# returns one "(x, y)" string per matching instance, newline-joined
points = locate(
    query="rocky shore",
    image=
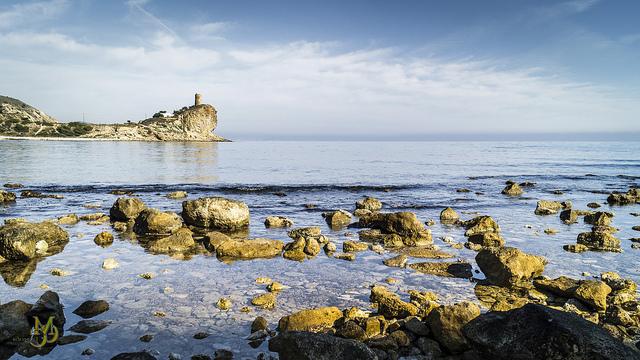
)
(520, 312)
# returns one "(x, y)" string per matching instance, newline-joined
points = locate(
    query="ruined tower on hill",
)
(198, 99)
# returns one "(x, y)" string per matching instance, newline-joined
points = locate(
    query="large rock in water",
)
(181, 240)
(311, 346)
(14, 323)
(538, 332)
(508, 266)
(18, 239)
(216, 213)
(310, 319)
(125, 209)
(480, 225)
(369, 203)
(249, 248)
(390, 305)
(7, 196)
(156, 222)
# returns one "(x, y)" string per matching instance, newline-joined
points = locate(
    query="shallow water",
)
(414, 176)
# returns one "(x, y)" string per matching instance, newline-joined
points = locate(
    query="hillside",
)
(194, 123)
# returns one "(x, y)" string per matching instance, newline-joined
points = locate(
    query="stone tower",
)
(198, 99)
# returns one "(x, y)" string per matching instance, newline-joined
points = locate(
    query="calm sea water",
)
(414, 176)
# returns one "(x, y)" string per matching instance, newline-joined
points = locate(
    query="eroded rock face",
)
(18, 239)
(310, 346)
(446, 323)
(216, 213)
(125, 209)
(249, 248)
(539, 332)
(508, 266)
(156, 222)
(310, 319)
(337, 219)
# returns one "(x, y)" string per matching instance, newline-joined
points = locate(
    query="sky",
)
(334, 69)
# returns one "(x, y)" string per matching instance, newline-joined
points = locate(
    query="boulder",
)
(599, 241)
(487, 239)
(177, 195)
(569, 216)
(538, 332)
(249, 248)
(213, 239)
(396, 261)
(593, 293)
(599, 218)
(512, 189)
(311, 346)
(369, 203)
(446, 323)
(181, 240)
(91, 308)
(630, 197)
(549, 207)
(18, 239)
(277, 222)
(310, 320)
(156, 222)
(216, 213)
(264, 301)
(446, 269)
(390, 305)
(481, 225)
(14, 323)
(354, 246)
(70, 219)
(104, 238)
(48, 306)
(125, 209)
(508, 266)
(7, 196)
(562, 286)
(337, 219)
(449, 216)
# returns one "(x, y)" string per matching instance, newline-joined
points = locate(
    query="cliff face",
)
(195, 123)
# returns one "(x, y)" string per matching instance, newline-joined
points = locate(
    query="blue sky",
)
(321, 68)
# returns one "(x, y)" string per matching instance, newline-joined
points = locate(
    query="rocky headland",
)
(193, 123)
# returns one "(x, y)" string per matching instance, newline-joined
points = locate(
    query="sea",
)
(280, 178)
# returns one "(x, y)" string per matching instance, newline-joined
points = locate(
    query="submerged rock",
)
(91, 308)
(508, 266)
(446, 269)
(512, 189)
(538, 332)
(249, 248)
(125, 209)
(18, 239)
(425, 252)
(89, 326)
(142, 355)
(7, 196)
(277, 222)
(632, 196)
(354, 246)
(216, 213)
(156, 222)
(310, 320)
(446, 323)
(369, 203)
(310, 346)
(177, 195)
(39, 195)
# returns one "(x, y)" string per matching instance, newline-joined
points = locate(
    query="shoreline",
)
(37, 138)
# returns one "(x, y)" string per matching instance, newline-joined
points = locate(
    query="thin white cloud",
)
(303, 87)
(30, 12)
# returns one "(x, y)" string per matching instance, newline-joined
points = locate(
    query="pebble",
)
(58, 272)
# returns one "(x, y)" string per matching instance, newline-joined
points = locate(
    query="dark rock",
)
(71, 339)
(446, 323)
(142, 355)
(39, 195)
(258, 324)
(539, 332)
(311, 346)
(89, 326)
(13, 321)
(47, 306)
(7, 196)
(446, 269)
(91, 308)
(512, 189)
